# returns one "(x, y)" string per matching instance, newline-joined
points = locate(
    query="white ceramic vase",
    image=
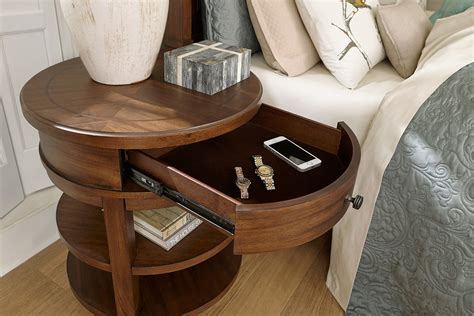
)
(118, 41)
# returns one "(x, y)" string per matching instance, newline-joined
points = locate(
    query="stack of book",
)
(166, 226)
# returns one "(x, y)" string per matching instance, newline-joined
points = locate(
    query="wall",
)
(28, 229)
(11, 190)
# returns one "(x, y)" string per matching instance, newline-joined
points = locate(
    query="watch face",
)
(243, 182)
(265, 170)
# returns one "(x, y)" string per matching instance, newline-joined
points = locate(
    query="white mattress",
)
(317, 95)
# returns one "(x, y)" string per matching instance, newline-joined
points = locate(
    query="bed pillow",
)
(228, 22)
(285, 44)
(376, 3)
(403, 28)
(451, 7)
(349, 47)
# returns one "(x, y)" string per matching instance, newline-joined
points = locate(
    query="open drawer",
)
(303, 206)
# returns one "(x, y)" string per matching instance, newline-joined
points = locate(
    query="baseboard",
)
(31, 228)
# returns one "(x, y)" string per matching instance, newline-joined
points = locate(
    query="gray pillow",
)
(229, 22)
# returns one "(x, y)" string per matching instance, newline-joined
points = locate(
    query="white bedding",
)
(317, 95)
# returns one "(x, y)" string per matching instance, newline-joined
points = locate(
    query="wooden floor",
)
(290, 282)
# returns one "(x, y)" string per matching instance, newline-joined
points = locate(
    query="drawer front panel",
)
(261, 229)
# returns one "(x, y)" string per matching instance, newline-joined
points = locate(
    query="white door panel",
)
(26, 55)
(11, 191)
(13, 6)
(29, 43)
(67, 46)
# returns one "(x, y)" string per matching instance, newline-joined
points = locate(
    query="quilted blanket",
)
(418, 257)
(396, 127)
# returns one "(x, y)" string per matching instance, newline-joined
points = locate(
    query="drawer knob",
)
(356, 201)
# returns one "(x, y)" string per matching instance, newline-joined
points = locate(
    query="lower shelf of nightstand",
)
(82, 228)
(181, 292)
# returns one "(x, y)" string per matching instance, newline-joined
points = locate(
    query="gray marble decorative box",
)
(207, 66)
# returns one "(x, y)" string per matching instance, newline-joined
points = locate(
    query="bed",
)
(410, 248)
(317, 95)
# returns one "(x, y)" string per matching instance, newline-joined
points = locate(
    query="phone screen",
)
(292, 152)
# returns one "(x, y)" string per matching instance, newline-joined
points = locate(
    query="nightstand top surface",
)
(64, 102)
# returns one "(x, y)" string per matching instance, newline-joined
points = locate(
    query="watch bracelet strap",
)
(269, 183)
(239, 172)
(257, 159)
(268, 180)
(244, 193)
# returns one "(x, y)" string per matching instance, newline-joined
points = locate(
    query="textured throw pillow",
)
(403, 28)
(228, 22)
(285, 44)
(451, 7)
(345, 35)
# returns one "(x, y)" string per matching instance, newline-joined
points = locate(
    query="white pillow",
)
(349, 55)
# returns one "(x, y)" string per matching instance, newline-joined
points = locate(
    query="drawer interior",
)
(212, 161)
(304, 205)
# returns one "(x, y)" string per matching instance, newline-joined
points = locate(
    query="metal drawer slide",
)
(193, 207)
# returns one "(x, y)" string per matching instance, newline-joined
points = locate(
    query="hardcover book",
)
(173, 239)
(164, 222)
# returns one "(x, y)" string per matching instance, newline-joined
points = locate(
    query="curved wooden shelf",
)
(82, 227)
(187, 291)
(64, 102)
(136, 198)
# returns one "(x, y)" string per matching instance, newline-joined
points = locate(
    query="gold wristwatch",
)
(242, 183)
(265, 172)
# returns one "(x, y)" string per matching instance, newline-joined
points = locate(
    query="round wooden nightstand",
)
(190, 142)
(84, 128)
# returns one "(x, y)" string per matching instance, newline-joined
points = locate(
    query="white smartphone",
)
(292, 154)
